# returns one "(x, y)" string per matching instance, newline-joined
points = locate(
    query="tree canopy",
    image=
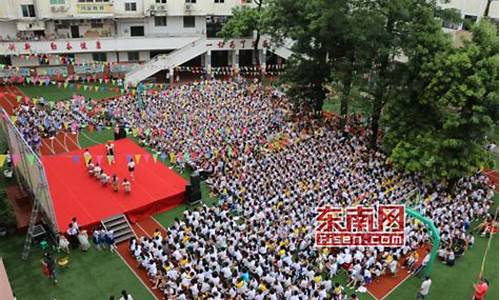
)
(440, 126)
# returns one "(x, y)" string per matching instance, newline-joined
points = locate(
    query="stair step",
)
(110, 219)
(125, 233)
(124, 238)
(115, 223)
(120, 227)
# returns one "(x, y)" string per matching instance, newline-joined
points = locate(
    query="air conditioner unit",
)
(54, 9)
(152, 7)
(161, 8)
(188, 7)
(63, 8)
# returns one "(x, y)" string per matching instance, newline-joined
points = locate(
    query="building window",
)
(160, 21)
(96, 23)
(161, 1)
(191, 1)
(219, 1)
(130, 6)
(99, 56)
(133, 56)
(57, 2)
(469, 21)
(189, 22)
(28, 10)
(136, 30)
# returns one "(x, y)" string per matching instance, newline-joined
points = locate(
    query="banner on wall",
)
(52, 71)
(94, 8)
(14, 72)
(123, 68)
(89, 69)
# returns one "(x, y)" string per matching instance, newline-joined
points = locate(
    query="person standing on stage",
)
(110, 150)
(126, 186)
(131, 168)
(115, 182)
(87, 157)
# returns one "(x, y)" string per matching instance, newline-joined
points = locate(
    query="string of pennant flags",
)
(78, 158)
(22, 75)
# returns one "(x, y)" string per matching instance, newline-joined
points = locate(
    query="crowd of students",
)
(271, 169)
(44, 121)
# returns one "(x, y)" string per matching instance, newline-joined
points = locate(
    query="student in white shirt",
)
(126, 296)
(424, 288)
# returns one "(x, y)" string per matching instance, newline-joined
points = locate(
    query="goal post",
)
(429, 224)
(434, 236)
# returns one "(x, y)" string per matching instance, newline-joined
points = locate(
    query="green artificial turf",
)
(55, 93)
(92, 275)
(87, 139)
(456, 282)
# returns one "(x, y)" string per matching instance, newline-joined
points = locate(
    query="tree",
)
(392, 37)
(328, 46)
(440, 123)
(244, 22)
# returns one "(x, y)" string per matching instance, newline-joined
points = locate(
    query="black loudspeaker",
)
(192, 196)
(195, 181)
(121, 134)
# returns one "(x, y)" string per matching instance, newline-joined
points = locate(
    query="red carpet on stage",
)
(75, 194)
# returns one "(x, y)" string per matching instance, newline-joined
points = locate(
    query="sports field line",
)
(394, 288)
(369, 293)
(56, 138)
(159, 224)
(90, 139)
(46, 144)
(142, 229)
(136, 275)
(69, 137)
(74, 139)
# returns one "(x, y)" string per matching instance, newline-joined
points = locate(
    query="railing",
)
(156, 62)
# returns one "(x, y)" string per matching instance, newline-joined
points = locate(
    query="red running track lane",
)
(383, 286)
(61, 143)
(123, 252)
(493, 176)
(8, 100)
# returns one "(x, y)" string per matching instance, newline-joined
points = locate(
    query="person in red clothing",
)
(481, 289)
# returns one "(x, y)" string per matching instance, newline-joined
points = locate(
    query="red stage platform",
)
(75, 194)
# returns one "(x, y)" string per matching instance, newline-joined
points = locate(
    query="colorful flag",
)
(137, 158)
(110, 159)
(31, 159)
(3, 157)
